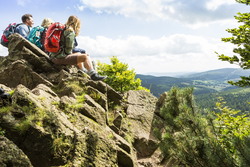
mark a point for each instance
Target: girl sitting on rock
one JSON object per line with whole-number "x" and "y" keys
{"x": 66, "y": 56}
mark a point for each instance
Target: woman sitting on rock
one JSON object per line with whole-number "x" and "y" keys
{"x": 66, "y": 56}
{"x": 45, "y": 24}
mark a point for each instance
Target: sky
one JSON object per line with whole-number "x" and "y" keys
{"x": 151, "y": 36}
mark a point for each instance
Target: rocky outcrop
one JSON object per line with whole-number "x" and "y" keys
{"x": 59, "y": 116}
{"x": 11, "y": 155}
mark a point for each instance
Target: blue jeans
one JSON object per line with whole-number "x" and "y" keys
{"x": 78, "y": 50}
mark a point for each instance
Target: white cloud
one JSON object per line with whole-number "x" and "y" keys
{"x": 131, "y": 8}
{"x": 81, "y": 8}
{"x": 22, "y": 2}
{"x": 3, "y": 51}
{"x": 174, "y": 53}
{"x": 214, "y": 4}
{"x": 195, "y": 13}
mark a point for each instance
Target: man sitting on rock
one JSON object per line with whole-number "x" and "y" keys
{"x": 24, "y": 29}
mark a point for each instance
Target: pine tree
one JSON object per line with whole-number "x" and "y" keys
{"x": 192, "y": 139}
{"x": 241, "y": 38}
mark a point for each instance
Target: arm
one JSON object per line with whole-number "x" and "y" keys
{"x": 69, "y": 43}
{"x": 23, "y": 32}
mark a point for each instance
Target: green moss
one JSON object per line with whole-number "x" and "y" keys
{"x": 43, "y": 98}
{"x": 2, "y": 131}
{"x": 72, "y": 118}
{"x": 38, "y": 116}
{"x": 110, "y": 136}
{"x": 80, "y": 99}
{"x": 129, "y": 138}
{"x": 129, "y": 135}
{"x": 63, "y": 147}
{"x": 5, "y": 110}
{"x": 95, "y": 95}
{"x": 23, "y": 125}
{"x": 75, "y": 87}
{"x": 11, "y": 92}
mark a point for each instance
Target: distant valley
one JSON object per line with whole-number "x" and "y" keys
{"x": 207, "y": 86}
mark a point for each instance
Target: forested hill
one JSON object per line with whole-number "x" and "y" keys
{"x": 207, "y": 87}
{"x": 204, "y": 82}
{"x": 237, "y": 99}
{"x": 219, "y": 75}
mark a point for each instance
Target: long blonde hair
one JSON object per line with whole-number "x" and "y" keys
{"x": 73, "y": 24}
{"x": 47, "y": 22}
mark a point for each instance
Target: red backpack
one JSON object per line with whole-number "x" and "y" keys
{"x": 53, "y": 37}
{"x": 7, "y": 32}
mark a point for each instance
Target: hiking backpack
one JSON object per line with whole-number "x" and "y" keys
{"x": 35, "y": 35}
{"x": 53, "y": 37}
{"x": 43, "y": 36}
{"x": 7, "y": 32}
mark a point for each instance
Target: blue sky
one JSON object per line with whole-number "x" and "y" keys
{"x": 150, "y": 35}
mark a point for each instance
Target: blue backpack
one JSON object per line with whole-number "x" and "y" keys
{"x": 7, "y": 32}
{"x": 35, "y": 35}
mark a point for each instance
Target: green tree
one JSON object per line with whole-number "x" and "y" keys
{"x": 119, "y": 77}
{"x": 193, "y": 140}
{"x": 241, "y": 38}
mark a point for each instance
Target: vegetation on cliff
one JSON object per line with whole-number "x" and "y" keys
{"x": 193, "y": 139}
{"x": 119, "y": 76}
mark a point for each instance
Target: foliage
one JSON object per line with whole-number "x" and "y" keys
{"x": 63, "y": 146}
{"x": 206, "y": 141}
{"x": 230, "y": 124}
{"x": 235, "y": 98}
{"x": 119, "y": 76}
{"x": 11, "y": 92}
{"x": 33, "y": 115}
{"x": 240, "y": 37}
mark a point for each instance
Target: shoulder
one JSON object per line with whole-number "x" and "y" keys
{"x": 69, "y": 32}
{"x": 22, "y": 26}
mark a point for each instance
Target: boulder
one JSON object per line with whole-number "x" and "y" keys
{"x": 11, "y": 155}
{"x": 59, "y": 116}
{"x": 19, "y": 73}
{"x": 99, "y": 97}
{"x": 93, "y": 110}
{"x": 117, "y": 119}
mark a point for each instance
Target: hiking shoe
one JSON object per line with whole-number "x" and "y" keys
{"x": 84, "y": 70}
{"x": 97, "y": 77}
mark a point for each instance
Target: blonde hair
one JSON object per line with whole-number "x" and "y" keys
{"x": 73, "y": 24}
{"x": 47, "y": 22}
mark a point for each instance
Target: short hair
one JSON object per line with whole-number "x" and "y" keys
{"x": 47, "y": 22}
{"x": 25, "y": 17}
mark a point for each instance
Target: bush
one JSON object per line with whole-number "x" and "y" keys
{"x": 119, "y": 77}
{"x": 210, "y": 140}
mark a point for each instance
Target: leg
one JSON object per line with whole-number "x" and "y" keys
{"x": 85, "y": 58}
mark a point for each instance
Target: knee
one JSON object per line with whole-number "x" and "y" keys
{"x": 83, "y": 57}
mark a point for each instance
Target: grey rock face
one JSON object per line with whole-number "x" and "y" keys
{"x": 60, "y": 117}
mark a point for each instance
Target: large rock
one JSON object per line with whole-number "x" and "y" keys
{"x": 20, "y": 73}
{"x": 141, "y": 116}
{"x": 11, "y": 155}
{"x": 140, "y": 112}
{"x": 59, "y": 117}
{"x": 93, "y": 110}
